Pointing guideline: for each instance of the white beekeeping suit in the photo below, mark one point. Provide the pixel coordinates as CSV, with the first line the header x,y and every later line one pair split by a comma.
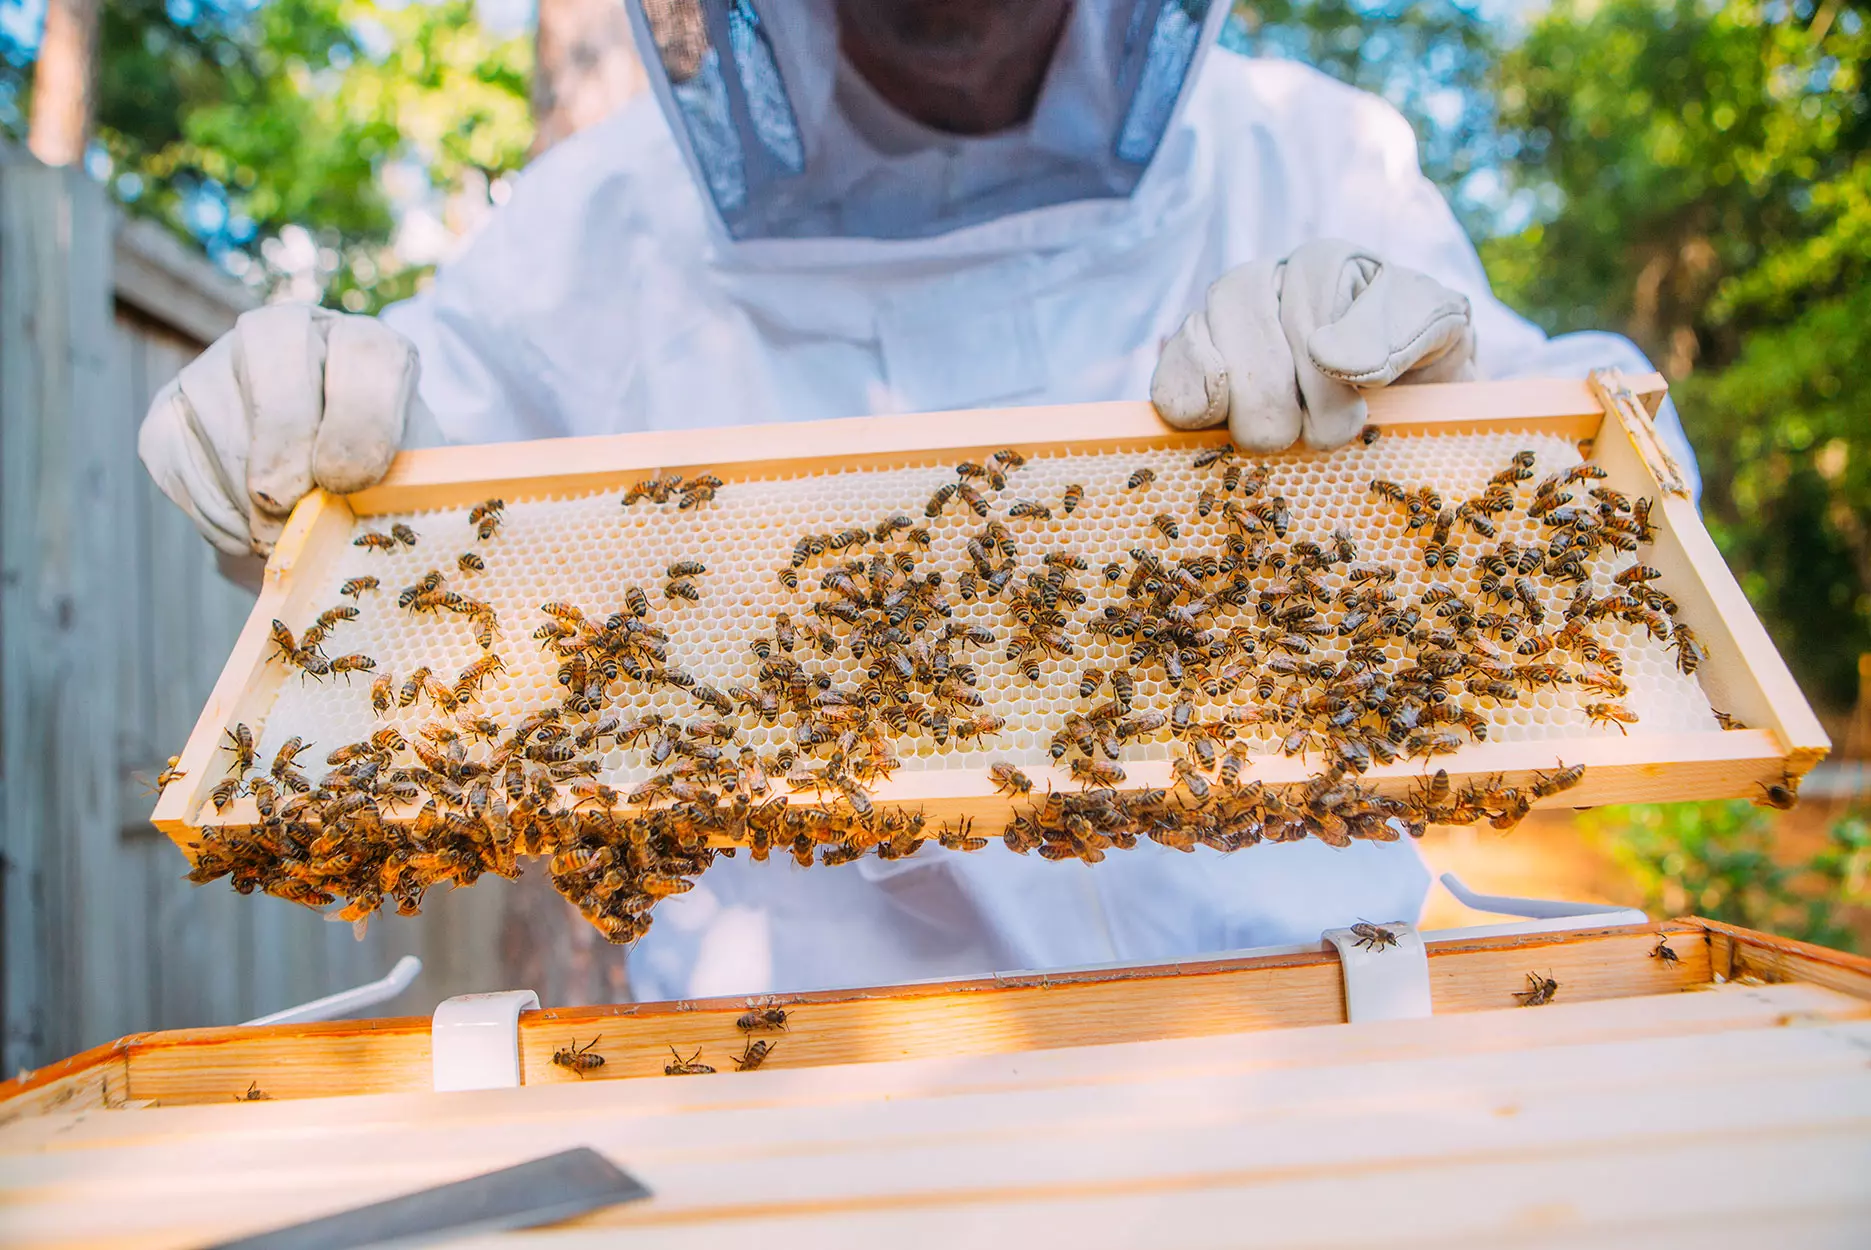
x,y
767,240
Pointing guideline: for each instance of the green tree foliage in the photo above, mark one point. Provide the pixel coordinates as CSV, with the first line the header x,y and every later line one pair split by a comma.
x,y
1701,181
1718,860
1431,59
233,123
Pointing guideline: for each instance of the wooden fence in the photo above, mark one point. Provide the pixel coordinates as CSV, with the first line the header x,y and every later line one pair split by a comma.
x,y
114,622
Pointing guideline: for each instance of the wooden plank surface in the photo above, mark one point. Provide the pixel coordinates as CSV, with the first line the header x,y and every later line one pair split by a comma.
x,y
1622,1118
435,477
1196,998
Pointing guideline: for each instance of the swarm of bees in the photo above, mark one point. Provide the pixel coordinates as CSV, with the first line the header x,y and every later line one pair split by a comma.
x,y
1268,642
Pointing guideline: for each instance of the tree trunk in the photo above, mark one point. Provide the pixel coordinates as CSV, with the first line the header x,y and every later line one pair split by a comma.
x,y
585,66
64,82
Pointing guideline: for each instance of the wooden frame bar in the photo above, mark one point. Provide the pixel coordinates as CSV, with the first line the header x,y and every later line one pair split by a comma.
x,y
1746,675
1190,999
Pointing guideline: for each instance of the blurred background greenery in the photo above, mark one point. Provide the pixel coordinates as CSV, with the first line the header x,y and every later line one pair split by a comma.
x,y
1696,175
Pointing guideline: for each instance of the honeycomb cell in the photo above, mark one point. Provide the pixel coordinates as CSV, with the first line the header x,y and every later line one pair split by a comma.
x,y
587,551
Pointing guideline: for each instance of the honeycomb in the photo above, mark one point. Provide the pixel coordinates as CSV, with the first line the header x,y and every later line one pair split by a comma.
x,y
586,549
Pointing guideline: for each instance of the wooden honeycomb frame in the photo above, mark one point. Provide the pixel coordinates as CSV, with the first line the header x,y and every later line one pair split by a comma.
x,y
1743,674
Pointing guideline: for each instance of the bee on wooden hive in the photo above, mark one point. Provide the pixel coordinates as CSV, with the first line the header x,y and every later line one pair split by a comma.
x,y
755,1055
1783,794
403,534
169,773
1140,478
225,793
356,586
1097,774
470,562
1008,779
579,1059
686,1067
1373,937
1539,992
763,1020
1663,952
240,742
253,1093
374,541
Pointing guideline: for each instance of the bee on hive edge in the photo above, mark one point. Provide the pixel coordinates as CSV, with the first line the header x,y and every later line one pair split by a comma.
x,y
240,742
1662,951
579,1059
1374,937
686,1067
1009,780
169,773
1783,794
253,1093
1539,992
763,1020
755,1055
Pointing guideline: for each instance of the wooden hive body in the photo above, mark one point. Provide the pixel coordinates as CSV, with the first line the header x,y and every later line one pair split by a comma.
x,y
1214,1102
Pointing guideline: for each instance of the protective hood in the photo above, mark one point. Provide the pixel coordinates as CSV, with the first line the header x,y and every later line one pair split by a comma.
x,y
786,141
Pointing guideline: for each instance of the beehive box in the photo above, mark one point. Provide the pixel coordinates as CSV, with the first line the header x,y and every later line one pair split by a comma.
x,y
1221,1101
1735,726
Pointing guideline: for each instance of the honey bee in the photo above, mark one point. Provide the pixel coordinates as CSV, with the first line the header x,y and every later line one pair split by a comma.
x,y
1547,784
169,773
755,1055
225,793
1663,952
682,590
1727,721
763,1020
1688,648
472,676
1009,780
403,534
1073,495
412,688
353,664
937,501
1373,937
1369,435
1165,525
789,578
1097,774
686,1067
356,586
1610,714
1783,794
970,496
579,1059
382,693
1030,508
470,562
1140,478
1385,489
1539,992
253,1093
240,742
374,541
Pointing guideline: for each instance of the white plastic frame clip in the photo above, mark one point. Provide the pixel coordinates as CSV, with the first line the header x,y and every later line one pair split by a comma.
x,y
1384,979
474,1040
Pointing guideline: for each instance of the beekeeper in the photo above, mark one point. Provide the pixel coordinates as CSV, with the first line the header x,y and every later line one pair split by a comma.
x,y
843,207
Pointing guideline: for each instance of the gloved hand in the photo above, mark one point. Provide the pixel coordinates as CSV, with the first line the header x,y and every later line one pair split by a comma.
x,y
1281,346
292,397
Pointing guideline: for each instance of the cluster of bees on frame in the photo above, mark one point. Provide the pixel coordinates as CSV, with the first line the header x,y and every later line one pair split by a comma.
x,y
1235,634
581,1060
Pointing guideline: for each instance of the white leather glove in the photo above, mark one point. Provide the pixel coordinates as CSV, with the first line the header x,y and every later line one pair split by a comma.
x,y
1281,346
293,397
